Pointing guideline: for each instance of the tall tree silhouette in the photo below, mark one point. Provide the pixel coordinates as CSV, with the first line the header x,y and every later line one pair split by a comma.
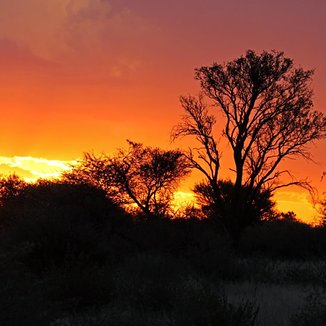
x,y
267,109
143,177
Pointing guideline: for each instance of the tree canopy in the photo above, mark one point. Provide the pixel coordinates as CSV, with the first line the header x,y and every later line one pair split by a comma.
x,y
267,117
141,177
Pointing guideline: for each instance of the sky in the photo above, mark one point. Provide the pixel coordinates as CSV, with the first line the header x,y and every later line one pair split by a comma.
x,y
85,75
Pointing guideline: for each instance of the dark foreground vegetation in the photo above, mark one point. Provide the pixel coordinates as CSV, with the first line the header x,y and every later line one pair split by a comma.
x,y
70,256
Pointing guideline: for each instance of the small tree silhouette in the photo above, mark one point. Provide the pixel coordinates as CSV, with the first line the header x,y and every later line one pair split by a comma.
x,y
141,177
268,117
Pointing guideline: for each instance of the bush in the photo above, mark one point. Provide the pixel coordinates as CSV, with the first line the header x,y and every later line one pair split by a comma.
x,y
59,222
166,288
27,299
282,239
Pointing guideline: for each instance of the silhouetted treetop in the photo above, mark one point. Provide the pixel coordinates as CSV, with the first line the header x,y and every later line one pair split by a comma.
x,y
267,117
148,176
268,105
142,176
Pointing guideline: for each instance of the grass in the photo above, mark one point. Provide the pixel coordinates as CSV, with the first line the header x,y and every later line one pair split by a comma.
x,y
277,303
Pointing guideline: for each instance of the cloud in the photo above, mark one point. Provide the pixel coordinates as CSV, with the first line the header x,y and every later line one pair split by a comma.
x,y
298,202
6,170
20,67
106,34
32,168
32,23
18,57
86,37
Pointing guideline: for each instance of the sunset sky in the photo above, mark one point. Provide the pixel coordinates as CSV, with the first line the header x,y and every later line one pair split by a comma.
x,y
85,75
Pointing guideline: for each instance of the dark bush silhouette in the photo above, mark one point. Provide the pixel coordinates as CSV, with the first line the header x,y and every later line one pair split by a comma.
x,y
221,210
284,238
59,221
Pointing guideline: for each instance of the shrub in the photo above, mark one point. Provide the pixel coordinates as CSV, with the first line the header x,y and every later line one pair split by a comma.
x,y
59,222
169,289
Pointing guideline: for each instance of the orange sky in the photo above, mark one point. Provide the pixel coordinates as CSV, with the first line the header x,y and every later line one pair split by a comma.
x,y
80,75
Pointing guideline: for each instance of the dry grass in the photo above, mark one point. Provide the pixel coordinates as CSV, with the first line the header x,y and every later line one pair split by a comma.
x,y
277,303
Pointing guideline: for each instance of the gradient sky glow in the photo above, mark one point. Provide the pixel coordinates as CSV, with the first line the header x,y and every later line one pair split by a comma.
x,y
81,75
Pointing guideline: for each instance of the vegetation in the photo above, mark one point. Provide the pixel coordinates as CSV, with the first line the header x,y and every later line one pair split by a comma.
x,y
103,246
70,256
142,176
268,116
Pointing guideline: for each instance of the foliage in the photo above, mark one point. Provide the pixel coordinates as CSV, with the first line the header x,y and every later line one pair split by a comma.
x,y
69,256
141,177
10,187
268,116
254,208
285,239
322,211
93,170
149,176
56,221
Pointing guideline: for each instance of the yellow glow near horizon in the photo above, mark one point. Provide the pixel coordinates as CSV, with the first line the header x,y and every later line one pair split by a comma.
x,y
298,202
182,199
31,169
